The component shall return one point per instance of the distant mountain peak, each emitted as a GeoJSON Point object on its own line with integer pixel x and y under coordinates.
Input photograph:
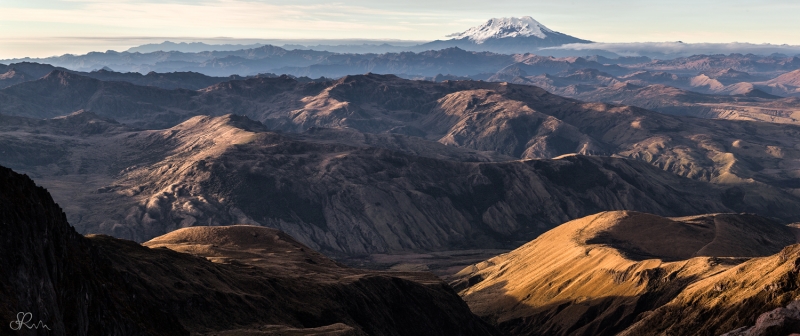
{"type": "Point", "coordinates": [497, 28]}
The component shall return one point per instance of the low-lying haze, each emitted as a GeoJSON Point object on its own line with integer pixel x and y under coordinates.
{"type": "Point", "coordinates": [676, 49]}
{"type": "Point", "coordinates": [49, 27]}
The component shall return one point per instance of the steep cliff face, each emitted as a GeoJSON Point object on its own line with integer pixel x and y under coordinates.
{"type": "Point", "coordinates": [56, 275]}
{"type": "Point", "coordinates": [234, 280]}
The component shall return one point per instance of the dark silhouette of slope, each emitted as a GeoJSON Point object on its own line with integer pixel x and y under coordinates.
{"type": "Point", "coordinates": [107, 286]}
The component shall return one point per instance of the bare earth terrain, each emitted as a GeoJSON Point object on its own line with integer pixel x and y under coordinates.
{"type": "Point", "coordinates": [637, 274]}
{"type": "Point", "coordinates": [558, 196]}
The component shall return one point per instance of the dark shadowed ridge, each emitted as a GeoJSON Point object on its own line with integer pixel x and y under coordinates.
{"type": "Point", "coordinates": [106, 286]}
{"type": "Point", "coordinates": [59, 277]}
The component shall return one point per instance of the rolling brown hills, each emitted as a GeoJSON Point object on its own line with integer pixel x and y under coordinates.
{"type": "Point", "coordinates": [637, 274]}
{"type": "Point", "coordinates": [791, 78]}
{"type": "Point", "coordinates": [392, 171]}
{"type": "Point", "coordinates": [61, 93]}
{"type": "Point", "coordinates": [226, 280]}
{"type": "Point", "coordinates": [152, 182]}
{"type": "Point", "coordinates": [341, 199]}
{"type": "Point", "coordinates": [745, 63]}
{"type": "Point", "coordinates": [748, 102]}
{"type": "Point", "coordinates": [733, 301]}
{"type": "Point", "coordinates": [512, 120]}
{"type": "Point", "coordinates": [726, 94]}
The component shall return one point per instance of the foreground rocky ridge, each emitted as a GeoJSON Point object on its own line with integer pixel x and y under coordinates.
{"type": "Point", "coordinates": [638, 274]}
{"type": "Point", "coordinates": [236, 280]}
{"type": "Point", "coordinates": [59, 277]}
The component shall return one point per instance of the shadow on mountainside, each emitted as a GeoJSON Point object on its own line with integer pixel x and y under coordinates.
{"type": "Point", "coordinates": [99, 285]}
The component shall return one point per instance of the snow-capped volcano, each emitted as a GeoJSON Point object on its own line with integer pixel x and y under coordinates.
{"type": "Point", "coordinates": [503, 28]}
{"type": "Point", "coordinates": [505, 35]}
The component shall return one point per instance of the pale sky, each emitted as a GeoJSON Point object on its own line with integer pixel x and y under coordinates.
{"type": "Point", "coordinates": [39, 28]}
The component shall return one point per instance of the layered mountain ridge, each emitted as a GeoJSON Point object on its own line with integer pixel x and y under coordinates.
{"type": "Point", "coordinates": [226, 170]}
{"type": "Point", "coordinates": [726, 94]}
{"type": "Point", "coordinates": [718, 91]}
{"type": "Point", "coordinates": [417, 148]}
{"type": "Point", "coordinates": [514, 120]}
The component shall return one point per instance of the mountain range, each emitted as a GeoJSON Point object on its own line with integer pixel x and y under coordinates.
{"type": "Point", "coordinates": [704, 96]}
{"type": "Point", "coordinates": [395, 200]}
{"type": "Point", "coordinates": [740, 86]}
{"type": "Point", "coordinates": [453, 113]}
{"type": "Point", "coordinates": [507, 35]}
{"type": "Point", "coordinates": [613, 270]}
{"type": "Point", "coordinates": [260, 190]}
{"type": "Point", "coordinates": [434, 159]}
{"type": "Point", "coordinates": [498, 35]}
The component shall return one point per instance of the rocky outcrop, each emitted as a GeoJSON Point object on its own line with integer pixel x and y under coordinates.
{"type": "Point", "coordinates": [780, 321]}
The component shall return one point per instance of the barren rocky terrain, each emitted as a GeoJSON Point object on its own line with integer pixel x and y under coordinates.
{"type": "Point", "coordinates": [638, 274]}
{"type": "Point", "coordinates": [404, 175]}
{"type": "Point", "coordinates": [512, 120]}
{"type": "Point", "coordinates": [740, 87]}
{"type": "Point", "coordinates": [729, 94]}
{"type": "Point", "coordinates": [414, 166]}
{"type": "Point", "coordinates": [477, 189]}
{"type": "Point", "coordinates": [342, 199]}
